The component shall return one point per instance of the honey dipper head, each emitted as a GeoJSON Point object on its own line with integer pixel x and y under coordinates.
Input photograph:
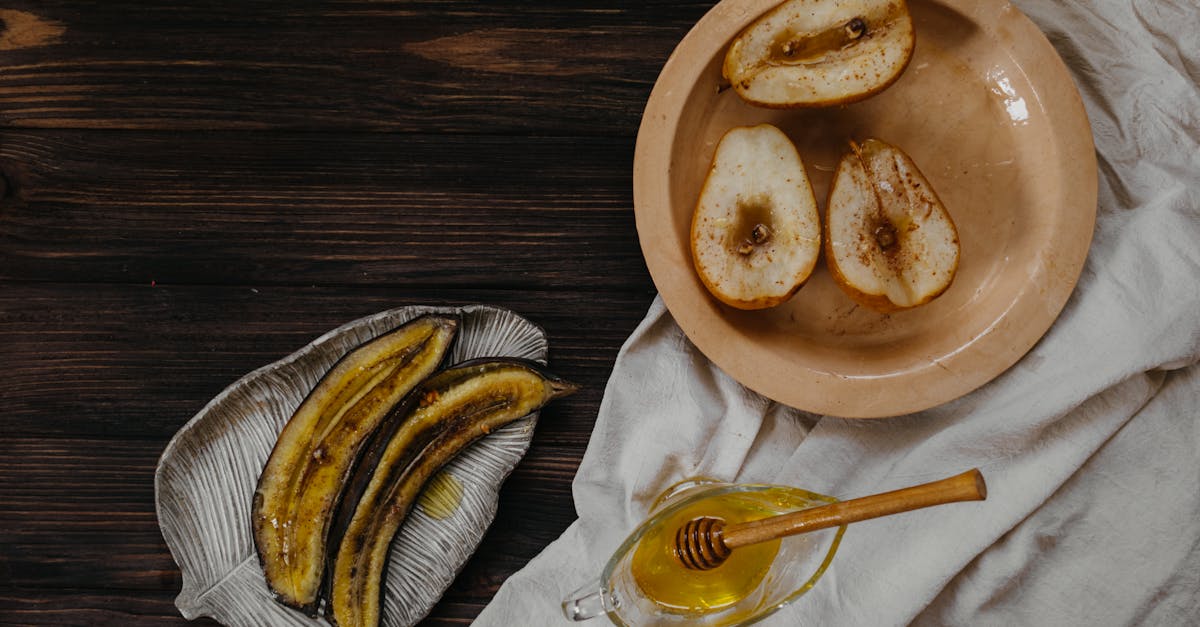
{"type": "Point", "coordinates": [698, 544]}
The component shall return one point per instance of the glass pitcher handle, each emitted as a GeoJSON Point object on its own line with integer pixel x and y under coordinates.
{"type": "Point", "coordinates": [587, 603]}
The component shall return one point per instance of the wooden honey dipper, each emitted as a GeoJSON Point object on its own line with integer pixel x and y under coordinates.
{"type": "Point", "coordinates": [704, 543]}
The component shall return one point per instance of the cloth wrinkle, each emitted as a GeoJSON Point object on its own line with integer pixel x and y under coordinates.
{"type": "Point", "coordinates": [1090, 444]}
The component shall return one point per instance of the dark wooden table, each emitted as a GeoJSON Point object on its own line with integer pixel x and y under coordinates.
{"type": "Point", "coordinates": [192, 189]}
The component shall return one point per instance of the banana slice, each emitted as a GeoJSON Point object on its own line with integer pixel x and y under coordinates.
{"type": "Point", "coordinates": [307, 471]}
{"type": "Point", "coordinates": [439, 419]}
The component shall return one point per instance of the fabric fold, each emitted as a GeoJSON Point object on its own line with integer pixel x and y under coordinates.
{"type": "Point", "coordinates": [1090, 443]}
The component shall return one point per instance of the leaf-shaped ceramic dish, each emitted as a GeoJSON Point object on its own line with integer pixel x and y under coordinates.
{"type": "Point", "coordinates": [206, 477]}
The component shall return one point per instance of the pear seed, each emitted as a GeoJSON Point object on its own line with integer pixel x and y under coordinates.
{"type": "Point", "coordinates": [856, 28]}
{"type": "Point", "coordinates": [885, 236]}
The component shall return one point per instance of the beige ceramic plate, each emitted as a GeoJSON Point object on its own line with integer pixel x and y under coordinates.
{"type": "Point", "coordinates": [990, 114]}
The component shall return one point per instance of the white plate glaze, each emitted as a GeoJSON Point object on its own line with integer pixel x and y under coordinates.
{"type": "Point", "coordinates": [206, 478]}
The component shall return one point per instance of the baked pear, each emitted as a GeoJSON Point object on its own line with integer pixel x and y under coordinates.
{"type": "Point", "coordinates": [756, 231]}
{"type": "Point", "coordinates": [890, 244]}
{"type": "Point", "coordinates": [818, 53]}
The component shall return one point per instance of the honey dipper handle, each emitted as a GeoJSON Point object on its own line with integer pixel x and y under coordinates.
{"type": "Point", "coordinates": [968, 486]}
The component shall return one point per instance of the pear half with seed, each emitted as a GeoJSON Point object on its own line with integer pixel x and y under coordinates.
{"type": "Point", "coordinates": [889, 242]}
{"type": "Point", "coordinates": [756, 231]}
{"type": "Point", "coordinates": [817, 53]}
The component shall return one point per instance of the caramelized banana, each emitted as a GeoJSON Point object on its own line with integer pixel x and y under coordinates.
{"type": "Point", "coordinates": [443, 416]}
{"type": "Point", "coordinates": [307, 472]}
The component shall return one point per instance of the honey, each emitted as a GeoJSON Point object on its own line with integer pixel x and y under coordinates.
{"type": "Point", "coordinates": [666, 582]}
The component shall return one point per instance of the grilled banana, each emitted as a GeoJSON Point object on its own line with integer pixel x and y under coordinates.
{"type": "Point", "coordinates": [300, 487]}
{"type": "Point", "coordinates": [443, 416]}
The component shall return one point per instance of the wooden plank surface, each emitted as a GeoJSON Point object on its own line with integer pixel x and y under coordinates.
{"type": "Point", "coordinates": [328, 208]}
{"type": "Point", "coordinates": [192, 189]}
{"type": "Point", "coordinates": [77, 355]}
{"type": "Point", "coordinates": [461, 66]}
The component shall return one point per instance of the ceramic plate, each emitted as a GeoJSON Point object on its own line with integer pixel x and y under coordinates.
{"type": "Point", "coordinates": [990, 114]}
{"type": "Point", "coordinates": [207, 475]}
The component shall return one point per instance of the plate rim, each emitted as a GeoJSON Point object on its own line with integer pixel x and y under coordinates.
{"type": "Point", "coordinates": [810, 389]}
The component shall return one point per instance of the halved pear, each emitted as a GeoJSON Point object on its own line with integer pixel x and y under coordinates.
{"type": "Point", "coordinates": [817, 53]}
{"type": "Point", "coordinates": [756, 231]}
{"type": "Point", "coordinates": [889, 242]}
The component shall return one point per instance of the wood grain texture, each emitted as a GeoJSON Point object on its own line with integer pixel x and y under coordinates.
{"type": "Point", "coordinates": [95, 608]}
{"type": "Point", "coordinates": [192, 189]}
{"type": "Point", "coordinates": [458, 66]}
{"type": "Point", "coordinates": [139, 361]}
{"type": "Point", "coordinates": [369, 209]}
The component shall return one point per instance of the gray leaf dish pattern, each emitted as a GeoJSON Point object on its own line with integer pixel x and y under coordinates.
{"type": "Point", "coordinates": [207, 475]}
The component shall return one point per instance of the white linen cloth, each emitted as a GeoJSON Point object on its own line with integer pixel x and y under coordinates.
{"type": "Point", "coordinates": [1090, 444]}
